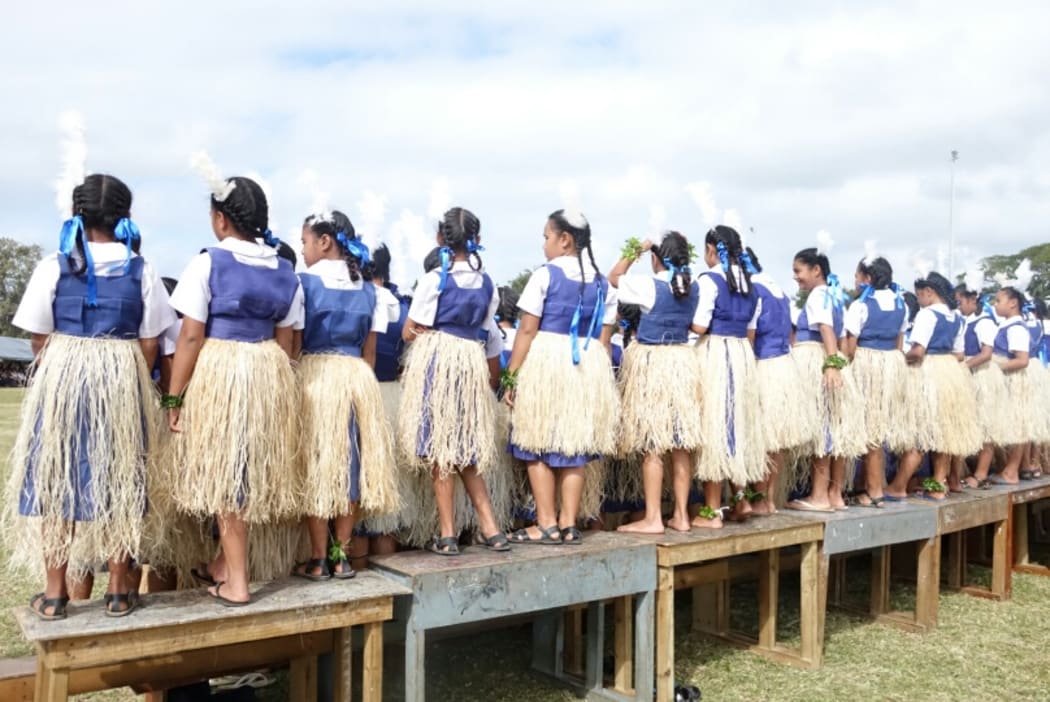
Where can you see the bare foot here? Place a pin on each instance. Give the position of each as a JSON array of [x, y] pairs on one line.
[[763, 508], [642, 527], [225, 591], [701, 523], [836, 502], [741, 511], [679, 523]]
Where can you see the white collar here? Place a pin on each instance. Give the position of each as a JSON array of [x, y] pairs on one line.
[[247, 248]]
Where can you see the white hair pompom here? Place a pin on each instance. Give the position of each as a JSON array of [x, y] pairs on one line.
[[1023, 275], [824, 242], [74, 158], [575, 218], [220, 188], [870, 252], [974, 280]]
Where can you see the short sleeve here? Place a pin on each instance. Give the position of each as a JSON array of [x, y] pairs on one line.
[[393, 307], [959, 345], [192, 295], [637, 290], [380, 313], [612, 301], [753, 324], [535, 292], [922, 329], [985, 330], [157, 314], [1018, 338], [296, 317], [493, 339], [820, 309], [856, 316], [425, 300], [35, 312], [705, 308], [169, 339]]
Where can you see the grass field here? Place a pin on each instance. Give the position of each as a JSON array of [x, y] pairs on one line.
[[982, 650]]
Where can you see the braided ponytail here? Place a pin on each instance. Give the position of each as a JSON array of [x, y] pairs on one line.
[[459, 229], [673, 252], [101, 201], [573, 223], [246, 207], [726, 241]]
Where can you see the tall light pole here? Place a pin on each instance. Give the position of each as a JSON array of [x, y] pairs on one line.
[[951, 213]]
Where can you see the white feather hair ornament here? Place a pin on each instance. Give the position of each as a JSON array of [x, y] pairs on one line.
[[974, 279], [700, 192], [921, 264], [657, 224], [220, 188], [1023, 275], [1002, 280], [870, 252], [824, 242], [74, 158], [731, 218]]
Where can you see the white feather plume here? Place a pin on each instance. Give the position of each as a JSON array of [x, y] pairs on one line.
[[74, 158], [871, 252], [700, 192], [731, 218], [942, 259], [1023, 275], [371, 210], [440, 199], [824, 242], [974, 279], [657, 224], [921, 264], [1002, 280], [206, 168]]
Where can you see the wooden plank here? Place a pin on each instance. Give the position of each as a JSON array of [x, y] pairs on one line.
[[960, 513], [927, 581], [58, 684], [595, 640], [665, 634], [43, 681], [302, 679], [711, 607], [768, 588], [1001, 582], [342, 664], [881, 561], [1027, 493], [623, 643], [691, 576], [1021, 546], [813, 596], [734, 540], [644, 618], [956, 570], [86, 651], [574, 641], [372, 682], [17, 678]]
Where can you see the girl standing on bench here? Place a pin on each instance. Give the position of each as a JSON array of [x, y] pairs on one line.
[[660, 377], [726, 317], [233, 402], [1011, 352], [875, 325], [89, 420], [559, 382], [347, 451], [446, 420]]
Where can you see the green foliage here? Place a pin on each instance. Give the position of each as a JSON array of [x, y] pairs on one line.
[[1040, 257], [517, 284], [632, 249], [17, 261]]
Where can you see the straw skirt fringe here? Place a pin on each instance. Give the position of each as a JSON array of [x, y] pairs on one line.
[[446, 414], [565, 408], [989, 388], [336, 391], [88, 423], [660, 399], [237, 451], [1039, 406], [787, 421], [842, 432], [947, 407], [411, 484], [730, 416], [881, 378]]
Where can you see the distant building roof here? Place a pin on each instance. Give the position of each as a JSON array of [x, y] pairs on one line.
[[12, 349]]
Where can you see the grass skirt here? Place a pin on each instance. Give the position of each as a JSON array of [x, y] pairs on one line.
[[237, 449], [446, 414], [326, 442], [839, 410], [1018, 422], [411, 485], [881, 378], [83, 453], [786, 422], [989, 386], [730, 416], [946, 416], [1040, 401], [660, 398], [565, 408]]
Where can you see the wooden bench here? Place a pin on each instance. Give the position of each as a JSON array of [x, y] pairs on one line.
[[698, 559], [861, 529], [541, 581], [183, 636], [1022, 497], [971, 510]]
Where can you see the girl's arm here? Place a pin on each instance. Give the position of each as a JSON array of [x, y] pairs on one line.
[[984, 355], [528, 326], [411, 330], [285, 338], [623, 264], [297, 343], [165, 373], [493, 372], [1018, 362], [915, 354], [369, 351], [900, 342], [37, 342], [606, 337], [187, 349], [697, 329], [149, 348], [849, 346], [751, 337], [832, 376]]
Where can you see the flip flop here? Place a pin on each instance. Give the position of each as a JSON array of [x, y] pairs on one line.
[[444, 546], [803, 506], [575, 538], [998, 480], [130, 598], [893, 498], [872, 503], [226, 602], [1027, 474], [521, 536], [496, 542], [38, 603]]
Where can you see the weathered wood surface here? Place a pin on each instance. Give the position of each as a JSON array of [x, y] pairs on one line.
[[863, 528], [1026, 490], [972, 509]]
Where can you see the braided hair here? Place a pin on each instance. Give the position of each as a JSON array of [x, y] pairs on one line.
[[246, 208], [100, 201], [330, 225], [381, 264], [459, 229], [630, 317], [879, 270], [674, 251], [754, 259], [508, 305], [726, 241], [573, 223]]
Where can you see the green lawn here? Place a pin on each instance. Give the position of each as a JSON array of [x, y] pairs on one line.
[[982, 650]]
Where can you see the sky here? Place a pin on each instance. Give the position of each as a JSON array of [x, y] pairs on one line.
[[784, 118]]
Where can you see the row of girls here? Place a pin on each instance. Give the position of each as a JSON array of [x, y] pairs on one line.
[[275, 415]]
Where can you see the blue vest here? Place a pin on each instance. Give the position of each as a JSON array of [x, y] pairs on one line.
[[669, 320], [118, 312], [1035, 333], [773, 330], [1001, 346], [337, 321], [971, 344], [942, 340], [390, 345], [562, 297], [247, 301], [804, 333], [882, 327], [463, 312], [733, 312]]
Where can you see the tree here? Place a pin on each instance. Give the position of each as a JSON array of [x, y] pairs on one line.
[[1040, 258], [17, 261], [517, 284]]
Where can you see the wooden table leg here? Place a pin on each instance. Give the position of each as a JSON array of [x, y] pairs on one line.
[[548, 643], [881, 568], [814, 595], [42, 691], [927, 582], [372, 682], [302, 679], [768, 589], [623, 646], [342, 653], [1001, 578], [644, 604], [574, 641], [664, 635], [1020, 524], [956, 577], [595, 645], [415, 664]]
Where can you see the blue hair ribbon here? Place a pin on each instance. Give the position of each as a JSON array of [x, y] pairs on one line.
[[473, 246], [597, 317], [673, 270], [899, 292], [986, 307], [355, 247], [866, 291], [723, 255], [128, 232], [73, 228], [834, 296], [445, 254], [749, 265], [270, 240]]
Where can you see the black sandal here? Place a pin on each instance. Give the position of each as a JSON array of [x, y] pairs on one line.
[[521, 536], [130, 600], [201, 574], [304, 568], [38, 603], [496, 542], [444, 546], [873, 502], [571, 536], [342, 570]]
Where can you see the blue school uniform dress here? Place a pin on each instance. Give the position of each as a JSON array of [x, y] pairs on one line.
[[773, 326], [882, 327], [389, 344], [942, 341], [247, 301]]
